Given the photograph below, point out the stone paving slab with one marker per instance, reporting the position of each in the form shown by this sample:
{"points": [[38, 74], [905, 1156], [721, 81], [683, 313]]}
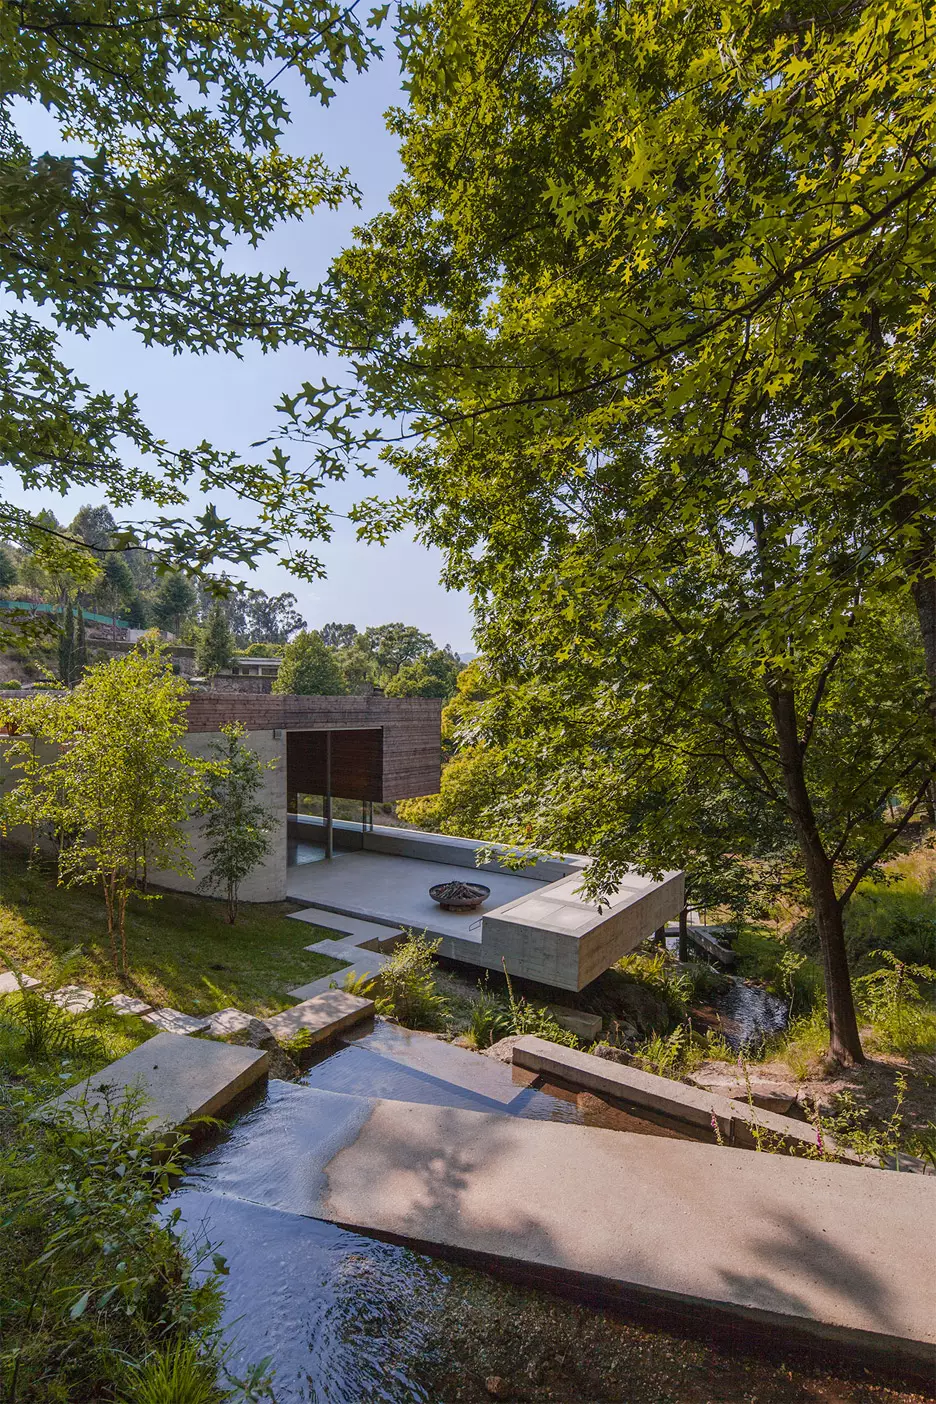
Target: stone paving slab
{"points": [[322, 1017], [811, 1249], [9, 983], [360, 962], [175, 1022], [228, 1021], [351, 931], [182, 1078], [75, 999], [129, 1004], [459, 1066]]}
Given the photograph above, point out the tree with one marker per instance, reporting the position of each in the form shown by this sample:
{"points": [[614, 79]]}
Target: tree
{"points": [[431, 675], [66, 648], [8, 572], [173, 123], [392, 645], [80, 659], [215, 650], [309, 668], [95, 526], [119, 784], [173, 603], [657, 373], [338, 635], [272, 618], [115, 588], [236, 826]]}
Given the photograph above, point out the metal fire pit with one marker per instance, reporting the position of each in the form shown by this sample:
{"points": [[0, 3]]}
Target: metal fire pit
{"points": [[459, 896]]}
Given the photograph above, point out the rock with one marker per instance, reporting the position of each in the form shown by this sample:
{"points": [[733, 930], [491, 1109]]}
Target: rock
{"points": [[585, 1026], [641, 1007], [609, 1052], [497, 1387], [502, 1050], [257, 1034], [768, 1093]]}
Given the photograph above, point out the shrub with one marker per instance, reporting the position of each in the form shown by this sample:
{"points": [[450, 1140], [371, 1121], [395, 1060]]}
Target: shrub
{"points": [[891, 998], [178, 1375], [46, 1031], [90, 1279], [408, 988], [535, 1019], [489, 1019]]}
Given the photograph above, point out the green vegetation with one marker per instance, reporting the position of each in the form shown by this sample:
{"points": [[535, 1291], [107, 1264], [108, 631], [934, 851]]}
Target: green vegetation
{"points": [[408, 990], [309, 668], [105, 771], [215, 649], [181, 950], [236, 826]]}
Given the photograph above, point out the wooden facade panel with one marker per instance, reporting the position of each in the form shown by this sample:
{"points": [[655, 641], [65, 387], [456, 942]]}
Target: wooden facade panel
{"points": [[356, 763], [410, 747]]}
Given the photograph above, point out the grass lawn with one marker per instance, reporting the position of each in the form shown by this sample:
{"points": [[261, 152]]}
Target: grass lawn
{"points": [[181, 950]]}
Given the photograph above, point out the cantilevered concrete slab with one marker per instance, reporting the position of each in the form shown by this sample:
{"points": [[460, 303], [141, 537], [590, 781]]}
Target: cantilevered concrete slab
{"points": [[181, 1079], [823, 1251]]}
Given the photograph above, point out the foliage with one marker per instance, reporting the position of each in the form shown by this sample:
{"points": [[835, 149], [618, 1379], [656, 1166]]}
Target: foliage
{"points": [[114, 590], [115, 783], [8, 572], [892, 998], [309, 668], [338, 635], [173, 602], [361, 985], [170, 151], [472, 783], [488, 1019], [663, 1054], [182, 951], [180, 1374], [90, 1278], [407, 984], [526, 1018], [45, 1031], [679, 451], [236, 826], [215, 650], [431, 675]]}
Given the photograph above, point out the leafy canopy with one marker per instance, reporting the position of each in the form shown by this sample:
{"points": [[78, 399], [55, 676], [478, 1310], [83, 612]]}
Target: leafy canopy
{"points": [[172, 121]]}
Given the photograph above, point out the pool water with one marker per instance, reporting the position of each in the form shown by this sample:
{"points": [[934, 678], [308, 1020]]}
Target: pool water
{"points": [[346, 1318]]}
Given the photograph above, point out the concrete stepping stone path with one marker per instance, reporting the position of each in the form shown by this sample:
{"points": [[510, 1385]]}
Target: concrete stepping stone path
{"points": [[228, 1021], [322, 1017], [75, 999], [175, 1022], [129, 1004], [182, 1078], [10, 982]]}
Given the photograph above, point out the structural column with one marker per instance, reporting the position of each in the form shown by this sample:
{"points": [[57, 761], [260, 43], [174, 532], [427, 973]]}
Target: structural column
{"points": [[327, 800]]}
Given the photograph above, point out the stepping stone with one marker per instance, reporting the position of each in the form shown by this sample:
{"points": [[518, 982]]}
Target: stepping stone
{"points": [[129, 1004], [322, 1017], [75, 999], [174, 1021], [228, 1021], [9, 984], [182, 1078]]}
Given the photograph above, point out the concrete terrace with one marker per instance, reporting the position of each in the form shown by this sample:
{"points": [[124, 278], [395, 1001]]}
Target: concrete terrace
{"points": [[536, 921]]}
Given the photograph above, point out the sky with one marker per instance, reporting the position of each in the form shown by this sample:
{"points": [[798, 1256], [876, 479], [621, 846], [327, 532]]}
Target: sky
{"points": [[230, 401]]}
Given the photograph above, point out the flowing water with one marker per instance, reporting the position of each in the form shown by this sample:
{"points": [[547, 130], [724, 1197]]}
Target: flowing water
{"points": [[748, 1015]]}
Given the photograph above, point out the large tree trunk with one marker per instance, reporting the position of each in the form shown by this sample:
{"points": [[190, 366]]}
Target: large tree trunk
{"points": [[844, 1042]]}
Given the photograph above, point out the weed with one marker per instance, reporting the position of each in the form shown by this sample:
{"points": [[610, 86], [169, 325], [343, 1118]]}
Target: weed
{"points": [[178, 1374], [489, 1020], [408, 988]]}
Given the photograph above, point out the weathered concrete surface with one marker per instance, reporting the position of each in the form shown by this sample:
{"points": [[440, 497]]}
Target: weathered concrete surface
{"points": [[360, 963], [175, 1022], [129, 1004], [662, 1095], [182, 1078], [831, 1251], [322, 1017]]}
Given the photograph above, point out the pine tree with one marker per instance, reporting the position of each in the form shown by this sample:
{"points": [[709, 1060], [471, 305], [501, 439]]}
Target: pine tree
{"points": [[81, 647], [215, 649], [66, 648]]}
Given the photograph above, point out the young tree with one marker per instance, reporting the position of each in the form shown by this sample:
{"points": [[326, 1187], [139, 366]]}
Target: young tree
{"points": [[174, 121], [118, 783], [309, 668], [236, 826], [80, 661], [66, 648], [215, 650]]}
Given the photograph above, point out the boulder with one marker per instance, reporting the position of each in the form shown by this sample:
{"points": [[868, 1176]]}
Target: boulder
{"points": [[643, 1008], [770, 1094], [257, 1034], [502, 1050], [609, 1052]]}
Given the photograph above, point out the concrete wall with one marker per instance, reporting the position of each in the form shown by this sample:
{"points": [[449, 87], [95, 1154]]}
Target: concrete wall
{"points": [[267, 883]]}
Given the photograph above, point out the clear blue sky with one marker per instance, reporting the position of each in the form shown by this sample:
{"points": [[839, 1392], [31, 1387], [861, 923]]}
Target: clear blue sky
{"points": [[231, 402]]}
